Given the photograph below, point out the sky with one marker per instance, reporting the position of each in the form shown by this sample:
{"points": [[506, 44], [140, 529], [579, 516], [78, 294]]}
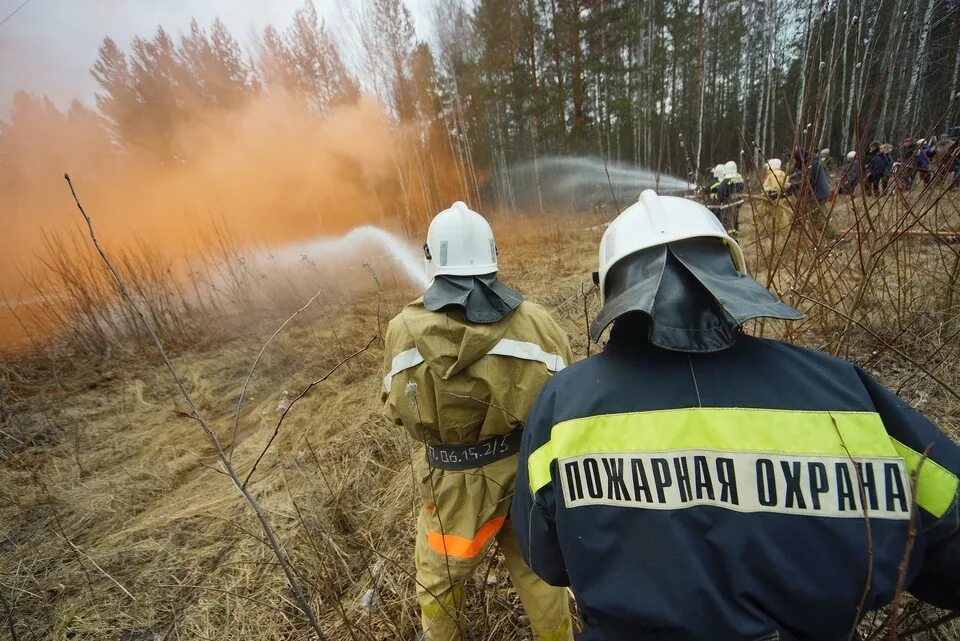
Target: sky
{"points": [[49, 46]]}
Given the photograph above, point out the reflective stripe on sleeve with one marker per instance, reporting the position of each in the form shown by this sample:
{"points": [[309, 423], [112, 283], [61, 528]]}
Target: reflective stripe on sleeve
{"points": [[528, 352], [403, 360], [936, 487]]}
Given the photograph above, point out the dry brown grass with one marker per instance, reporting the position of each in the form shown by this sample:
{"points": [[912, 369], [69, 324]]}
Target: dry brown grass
{"points": [[98, 465]]}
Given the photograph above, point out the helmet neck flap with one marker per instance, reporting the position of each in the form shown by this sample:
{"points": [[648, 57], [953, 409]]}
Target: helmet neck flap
{"points": [[483, 299], [693, 296]]}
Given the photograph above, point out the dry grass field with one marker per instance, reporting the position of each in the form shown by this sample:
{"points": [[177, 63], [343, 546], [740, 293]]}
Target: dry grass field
{"points": [[117, 523]]}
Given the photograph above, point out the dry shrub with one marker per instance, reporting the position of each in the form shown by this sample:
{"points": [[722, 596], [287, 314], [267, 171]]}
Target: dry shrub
{"points": [[135, 493]]}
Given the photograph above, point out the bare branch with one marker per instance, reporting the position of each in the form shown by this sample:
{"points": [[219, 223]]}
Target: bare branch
{"points": [[487, 403], [893, 349], [302, 600], [253, 368], [299, 396]]}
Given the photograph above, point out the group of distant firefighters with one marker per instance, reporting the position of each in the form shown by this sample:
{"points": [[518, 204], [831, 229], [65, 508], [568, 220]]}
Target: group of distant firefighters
{"points": [[925, 160]]}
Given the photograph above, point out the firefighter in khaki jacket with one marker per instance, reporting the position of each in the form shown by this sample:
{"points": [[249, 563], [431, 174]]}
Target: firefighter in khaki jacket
{"points": [[463, 364]]}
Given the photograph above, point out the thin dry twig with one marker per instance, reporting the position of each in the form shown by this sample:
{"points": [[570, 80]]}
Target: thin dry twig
{"points": [[946, 387], [253, 369], [932, 625], [80, 552], [586, 313], [487, 403], [868, 580], [894, 622], [8, 611], [302, 600], [299, 396]]}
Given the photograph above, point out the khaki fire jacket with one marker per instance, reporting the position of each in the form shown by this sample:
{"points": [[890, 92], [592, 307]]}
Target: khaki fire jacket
{"points": [[775, 182], [449, 381]]}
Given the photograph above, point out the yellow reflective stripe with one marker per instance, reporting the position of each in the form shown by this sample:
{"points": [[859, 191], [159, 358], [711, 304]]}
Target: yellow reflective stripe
{"points": [[936, 487], [714, 428]]}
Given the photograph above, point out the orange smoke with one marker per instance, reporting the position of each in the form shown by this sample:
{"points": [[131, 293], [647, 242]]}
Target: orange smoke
{"points": [[270, 171]]}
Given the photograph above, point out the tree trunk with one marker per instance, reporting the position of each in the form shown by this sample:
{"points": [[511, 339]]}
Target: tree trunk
{"points": [[761, 30], [805, 69], [696, 166], [576, 70], [865, 71], [903, 57], [844, 128], [827, 110], [954, 97], [892, 61], [747, 84], [918, 67]]}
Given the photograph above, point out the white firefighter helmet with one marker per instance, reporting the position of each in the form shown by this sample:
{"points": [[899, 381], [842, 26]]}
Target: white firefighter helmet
{"points": [[730, 168], [657, 220], [922, 141], [851, 155], [460, 243], [717, 172], [825, 152], [774, 164]]}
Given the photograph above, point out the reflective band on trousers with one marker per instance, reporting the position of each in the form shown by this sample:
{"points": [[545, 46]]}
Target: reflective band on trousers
{"points": [[505, 347], [736, 430], [461, 547]]}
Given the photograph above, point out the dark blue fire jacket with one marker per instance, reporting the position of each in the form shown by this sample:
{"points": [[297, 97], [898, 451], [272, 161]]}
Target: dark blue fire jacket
{"points": [[737, 495]]}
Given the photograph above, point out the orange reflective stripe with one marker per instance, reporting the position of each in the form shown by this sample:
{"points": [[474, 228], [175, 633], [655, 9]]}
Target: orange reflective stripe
{"points": [[462, 547]]}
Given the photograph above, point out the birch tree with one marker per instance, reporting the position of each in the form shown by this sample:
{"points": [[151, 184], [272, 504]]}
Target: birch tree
{"points": [[919, 67]]}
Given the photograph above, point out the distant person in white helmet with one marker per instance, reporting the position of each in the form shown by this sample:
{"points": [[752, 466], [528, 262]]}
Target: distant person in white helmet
{"points": [[774, 178], [692, 483], [462, 366], [849, 175], [773, 214], [826, 161], [729, 194]]}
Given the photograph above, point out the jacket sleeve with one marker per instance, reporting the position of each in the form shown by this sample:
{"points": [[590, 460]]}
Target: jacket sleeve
{"points": [[927, 449], [533, 515], [389, 403]]}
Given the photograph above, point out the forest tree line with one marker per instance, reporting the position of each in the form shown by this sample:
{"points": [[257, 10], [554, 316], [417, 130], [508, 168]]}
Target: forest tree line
{"points": [[672, 86]]}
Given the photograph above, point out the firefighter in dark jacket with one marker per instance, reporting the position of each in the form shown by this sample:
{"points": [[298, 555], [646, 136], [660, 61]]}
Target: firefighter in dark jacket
{"points": [[849, 174], [876, 169], [954, 153], [921, 162], [809, 183], [691, 482], [729, 194], [808, 176], [886, 153], [905, 166]]}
